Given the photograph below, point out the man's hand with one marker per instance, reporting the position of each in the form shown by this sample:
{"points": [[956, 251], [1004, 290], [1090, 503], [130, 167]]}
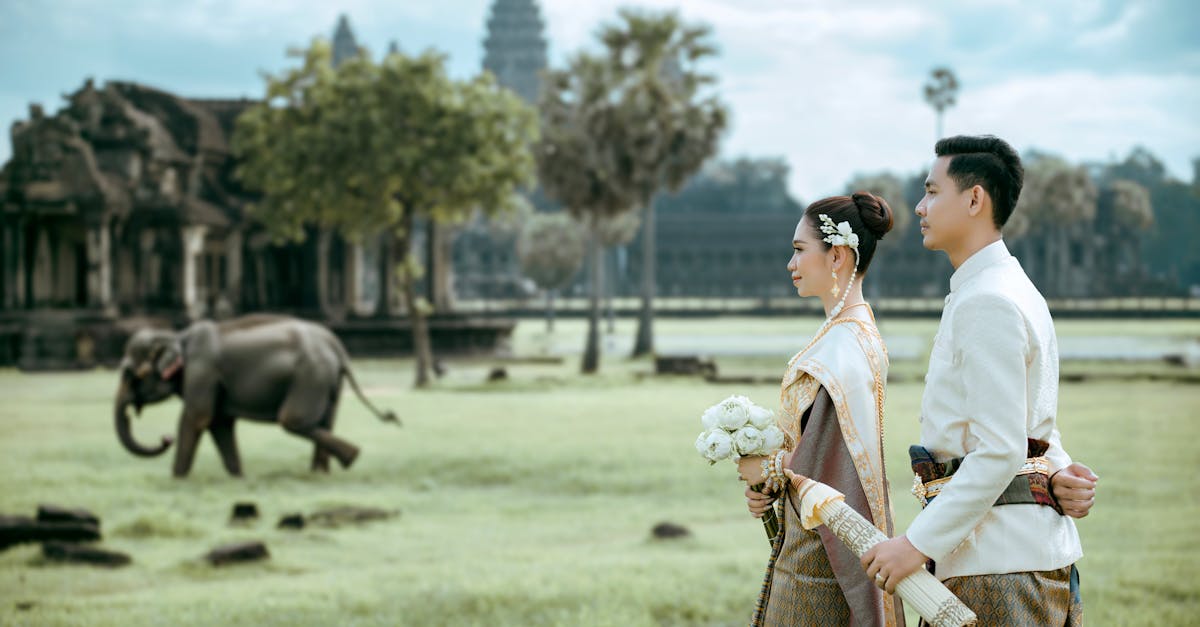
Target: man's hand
{"points": [[758, 502], [1074, 488], [891, 561]]}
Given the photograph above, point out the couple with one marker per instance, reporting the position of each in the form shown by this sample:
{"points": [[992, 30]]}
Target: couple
{"points": [[997, 488]]}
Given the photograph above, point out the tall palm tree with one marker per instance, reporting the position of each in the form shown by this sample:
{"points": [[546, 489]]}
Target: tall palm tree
{"points": [[669, 125], [941, 92], [578, 161]]}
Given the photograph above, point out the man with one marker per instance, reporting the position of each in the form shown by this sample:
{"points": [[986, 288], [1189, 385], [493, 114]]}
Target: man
{"points": [[996, 536]]}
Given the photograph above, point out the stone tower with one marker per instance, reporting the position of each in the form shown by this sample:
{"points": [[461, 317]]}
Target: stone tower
{"points": [[515, 50], [344, 45]]}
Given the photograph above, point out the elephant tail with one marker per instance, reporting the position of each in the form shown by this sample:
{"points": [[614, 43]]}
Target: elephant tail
{"points": [[386, 415]]}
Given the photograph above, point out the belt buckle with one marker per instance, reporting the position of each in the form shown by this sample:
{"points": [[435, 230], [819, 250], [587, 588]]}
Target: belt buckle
{"points": [[918, 490]]}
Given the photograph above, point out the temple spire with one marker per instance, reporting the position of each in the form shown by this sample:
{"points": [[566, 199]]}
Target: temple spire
{"points": [[515, 50], [344, 44]]}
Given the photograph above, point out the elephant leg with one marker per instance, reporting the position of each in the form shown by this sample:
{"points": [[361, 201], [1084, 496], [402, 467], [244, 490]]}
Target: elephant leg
{"points": [[320, 459], [226, 441], [185, 447], [303, 414]]}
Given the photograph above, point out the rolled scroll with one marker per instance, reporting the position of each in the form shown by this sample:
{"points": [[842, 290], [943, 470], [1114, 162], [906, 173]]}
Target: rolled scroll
{"points": [[822, 505]]}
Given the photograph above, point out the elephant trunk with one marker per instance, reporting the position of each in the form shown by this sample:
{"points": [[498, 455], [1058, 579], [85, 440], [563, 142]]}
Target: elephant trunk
{"points": [[125, 397]]}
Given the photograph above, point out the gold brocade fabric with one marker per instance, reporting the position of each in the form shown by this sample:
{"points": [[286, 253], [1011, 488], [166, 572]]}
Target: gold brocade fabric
{"points": [[810, 595], [1036, 598]]}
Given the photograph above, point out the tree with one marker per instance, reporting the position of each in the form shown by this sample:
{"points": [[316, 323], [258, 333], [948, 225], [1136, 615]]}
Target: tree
{"points": [[1124, 213], [372, 147], [577, 161], [667, 126], [1057, 198], [550, 250], [889, 187], [613, 232], [941, 92]]}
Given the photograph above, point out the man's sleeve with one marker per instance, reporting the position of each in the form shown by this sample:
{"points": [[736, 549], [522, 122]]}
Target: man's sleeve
{"points": [[991, 344]]}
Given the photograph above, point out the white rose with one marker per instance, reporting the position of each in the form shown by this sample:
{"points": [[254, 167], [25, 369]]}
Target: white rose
{"points": [[749, 441], [772, 438], [761, 417], [711, 417], [717, 445], [844, 229], [735, 413], [837, 240], [852, 240]]}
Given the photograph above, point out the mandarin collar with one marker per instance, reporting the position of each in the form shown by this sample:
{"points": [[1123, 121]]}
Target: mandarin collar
{"points": [[983, 258]]}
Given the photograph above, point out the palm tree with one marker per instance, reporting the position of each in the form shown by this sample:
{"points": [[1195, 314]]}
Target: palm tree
{"points": [[578, 160], [941, 92], [667, 126]]}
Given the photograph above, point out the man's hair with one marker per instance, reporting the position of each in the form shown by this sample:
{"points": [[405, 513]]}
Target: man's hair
{"points": [[988, 162]]}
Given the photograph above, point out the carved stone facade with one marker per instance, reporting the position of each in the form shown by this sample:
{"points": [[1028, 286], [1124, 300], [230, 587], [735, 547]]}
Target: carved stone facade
{"points": [[124, 207]]}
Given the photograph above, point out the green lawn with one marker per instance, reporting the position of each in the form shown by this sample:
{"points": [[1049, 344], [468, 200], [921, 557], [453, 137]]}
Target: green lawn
{"points": [[525, 502]]}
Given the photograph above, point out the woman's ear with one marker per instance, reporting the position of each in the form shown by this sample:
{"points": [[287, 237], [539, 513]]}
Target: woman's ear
{"points": [[839, 257]]}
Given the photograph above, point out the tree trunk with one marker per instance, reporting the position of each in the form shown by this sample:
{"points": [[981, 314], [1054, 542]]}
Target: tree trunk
{"points": [[383, 309], [610, 288], [549, 311], [323, 249], [422, 346], [591, 352], [644, 344], [438, 267]]}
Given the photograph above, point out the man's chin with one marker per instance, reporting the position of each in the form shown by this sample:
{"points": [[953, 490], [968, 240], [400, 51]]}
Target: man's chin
{"points": [[929, 244]]}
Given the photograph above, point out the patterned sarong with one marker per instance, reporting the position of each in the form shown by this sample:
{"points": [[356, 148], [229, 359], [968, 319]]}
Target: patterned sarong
{"points": [[809, 594], [1040, 598]]}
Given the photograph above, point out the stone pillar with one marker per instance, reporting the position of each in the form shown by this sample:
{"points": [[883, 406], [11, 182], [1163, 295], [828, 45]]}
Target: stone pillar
{"points": [[21, 284], [7, 276], [233, 270], [193, 245], [99, 267], [147, 278], [41, 275]]}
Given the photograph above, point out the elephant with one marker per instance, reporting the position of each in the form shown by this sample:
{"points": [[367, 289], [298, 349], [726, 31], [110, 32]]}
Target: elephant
{"points": [[261, 367]]}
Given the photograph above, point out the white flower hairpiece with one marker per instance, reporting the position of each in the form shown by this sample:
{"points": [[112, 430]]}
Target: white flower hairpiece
{"points": [[839, 234]]}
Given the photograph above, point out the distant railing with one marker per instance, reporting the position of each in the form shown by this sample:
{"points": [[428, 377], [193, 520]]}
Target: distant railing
{"points": [[1149, 307]]}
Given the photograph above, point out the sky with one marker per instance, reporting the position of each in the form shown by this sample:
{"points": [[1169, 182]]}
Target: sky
{"points": [[833, 87]]}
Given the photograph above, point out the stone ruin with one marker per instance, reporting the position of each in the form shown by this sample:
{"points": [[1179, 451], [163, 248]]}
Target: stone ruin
{"points": [[123, 210]]}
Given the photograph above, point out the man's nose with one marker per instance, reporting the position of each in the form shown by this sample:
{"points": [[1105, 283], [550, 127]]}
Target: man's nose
{"points": [[920, 209]]}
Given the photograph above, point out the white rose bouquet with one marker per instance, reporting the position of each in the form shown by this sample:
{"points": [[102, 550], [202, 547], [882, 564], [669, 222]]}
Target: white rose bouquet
{"points": [[735, 428]]}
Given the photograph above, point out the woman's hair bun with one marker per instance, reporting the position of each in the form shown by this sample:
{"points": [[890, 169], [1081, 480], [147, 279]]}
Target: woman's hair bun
{"points": [[874, 212]]}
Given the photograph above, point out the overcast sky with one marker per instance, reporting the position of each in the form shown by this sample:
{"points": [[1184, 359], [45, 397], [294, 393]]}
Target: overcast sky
{"points": [[834, 87]]}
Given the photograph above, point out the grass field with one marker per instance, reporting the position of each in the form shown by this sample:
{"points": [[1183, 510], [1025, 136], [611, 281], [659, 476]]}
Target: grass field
{"points": [[526, 502]]}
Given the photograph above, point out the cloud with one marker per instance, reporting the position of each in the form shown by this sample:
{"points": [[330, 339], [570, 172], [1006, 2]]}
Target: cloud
{"points": [[833, 87]]}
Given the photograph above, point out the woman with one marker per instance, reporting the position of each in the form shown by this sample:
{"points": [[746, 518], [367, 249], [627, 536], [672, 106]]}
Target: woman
{"points": [[832, 410]]}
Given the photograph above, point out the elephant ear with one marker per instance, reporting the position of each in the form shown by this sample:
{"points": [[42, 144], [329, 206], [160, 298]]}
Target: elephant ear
{"points": [[168, 357], [200, 379]]}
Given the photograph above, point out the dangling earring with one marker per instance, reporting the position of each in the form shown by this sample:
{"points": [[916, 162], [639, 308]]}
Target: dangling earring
{"points": [[835, 289]]}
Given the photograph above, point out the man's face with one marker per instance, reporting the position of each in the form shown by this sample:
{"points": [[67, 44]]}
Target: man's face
{"points": [[943, 210]]}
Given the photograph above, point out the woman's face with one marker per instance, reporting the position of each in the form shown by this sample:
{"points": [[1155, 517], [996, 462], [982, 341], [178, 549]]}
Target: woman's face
{"points": [[811, 266]]}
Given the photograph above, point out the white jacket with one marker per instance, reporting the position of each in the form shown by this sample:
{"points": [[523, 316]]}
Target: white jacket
{"points": [[992, 382]]}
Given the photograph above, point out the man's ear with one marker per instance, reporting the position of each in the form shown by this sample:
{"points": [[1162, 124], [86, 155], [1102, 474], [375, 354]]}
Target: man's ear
{"points": [[977, 198]]}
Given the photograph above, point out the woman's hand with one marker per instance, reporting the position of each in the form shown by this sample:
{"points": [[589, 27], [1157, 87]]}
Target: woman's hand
{"points": [[750, 469], [758, 503]]}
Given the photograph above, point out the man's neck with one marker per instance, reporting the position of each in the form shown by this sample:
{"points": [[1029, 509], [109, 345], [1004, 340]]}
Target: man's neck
{"points": [[971, 246]]}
